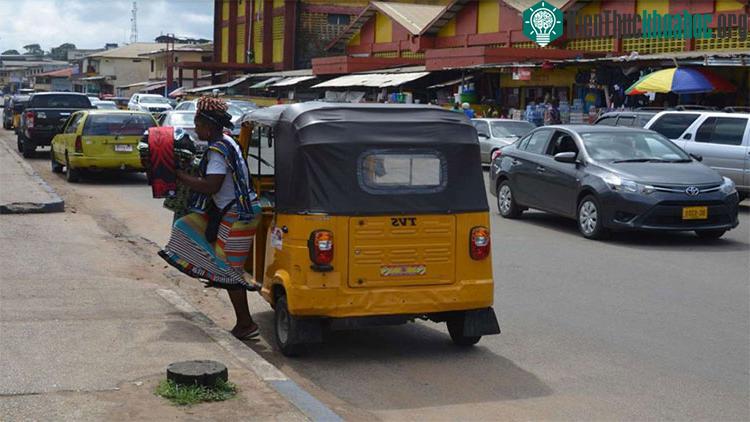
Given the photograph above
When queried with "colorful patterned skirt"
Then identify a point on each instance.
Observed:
(220, 264)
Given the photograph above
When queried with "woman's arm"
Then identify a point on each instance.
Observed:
(208, 185)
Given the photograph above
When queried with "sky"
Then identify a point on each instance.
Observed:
(93, 23)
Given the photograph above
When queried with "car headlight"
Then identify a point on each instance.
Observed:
(728, 187)
(618, 184)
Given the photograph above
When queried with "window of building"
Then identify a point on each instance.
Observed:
(338, 19)
(152, 65)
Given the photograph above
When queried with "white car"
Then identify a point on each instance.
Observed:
(150, 103)
(104, 105)
(721, 139)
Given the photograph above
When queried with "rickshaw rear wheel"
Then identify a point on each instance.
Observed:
(456, 331)
(286, 328)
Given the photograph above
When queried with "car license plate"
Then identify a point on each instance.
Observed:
(124, 148)
(694, 213)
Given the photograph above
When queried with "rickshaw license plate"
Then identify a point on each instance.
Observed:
(694, 213)
(124, 148)
(402, 270)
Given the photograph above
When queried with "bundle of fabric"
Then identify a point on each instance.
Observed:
(184, 157)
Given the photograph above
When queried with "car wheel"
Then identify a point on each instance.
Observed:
(286, 326)
(506, 204)
(28, 148)
(710, 234)
(19, 143)
(56, 167)
(589, 218)
(456, 331)
(71, 175)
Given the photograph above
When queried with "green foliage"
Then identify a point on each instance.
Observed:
(61, 52)
(33, 50)
(186, 395)
(11, 52)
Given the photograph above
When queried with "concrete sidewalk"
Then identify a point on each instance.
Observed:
(85, 336)
(21, 189)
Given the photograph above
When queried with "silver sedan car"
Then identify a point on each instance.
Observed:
(496, 133)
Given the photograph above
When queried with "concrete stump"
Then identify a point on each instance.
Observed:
(201, 372)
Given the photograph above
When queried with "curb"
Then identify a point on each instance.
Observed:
(56, 204)
(311, 407)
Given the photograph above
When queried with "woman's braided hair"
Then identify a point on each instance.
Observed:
(215, 111)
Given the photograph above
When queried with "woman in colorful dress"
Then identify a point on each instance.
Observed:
(214, 240)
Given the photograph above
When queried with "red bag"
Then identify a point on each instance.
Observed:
(161, 151)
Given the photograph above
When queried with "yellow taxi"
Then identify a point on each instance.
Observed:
(99, 140)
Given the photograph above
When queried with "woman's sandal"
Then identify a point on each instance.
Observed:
(248, 335)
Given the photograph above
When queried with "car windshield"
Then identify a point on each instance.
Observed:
(235, 111)
(180, 120)
(631, 147)
(117, 124)
(154, 100)
(508, 129)
(59, 101)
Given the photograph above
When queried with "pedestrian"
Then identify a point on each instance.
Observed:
(214, 240)
(552, 115)
(467, 110)
(456, 108)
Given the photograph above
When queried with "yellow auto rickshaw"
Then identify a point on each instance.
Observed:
(373, 214)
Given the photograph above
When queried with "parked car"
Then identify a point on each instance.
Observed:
(625, 118)
(612, 178)
(104, 105)
(122, 102)
(151, 103)
(44, 117)
(99, 140)
(721, 139)
(233, 109)
(497, 133)
(184, 120)
(737, 109)
(245, 106)
(12, 111)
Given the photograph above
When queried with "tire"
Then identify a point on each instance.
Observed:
(19, 143)
(710, 234)
(589, 219)
(27, 148)
(71, 175)
(285, 328)
(506, 204)
(56, 167)
(456, 331)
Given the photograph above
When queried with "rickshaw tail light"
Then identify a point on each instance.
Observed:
(29, 119)
(479, 243)
(79, 144)
(320, 245)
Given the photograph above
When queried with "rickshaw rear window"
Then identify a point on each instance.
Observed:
(393, 172)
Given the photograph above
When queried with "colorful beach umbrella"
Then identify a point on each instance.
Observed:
(680, 80)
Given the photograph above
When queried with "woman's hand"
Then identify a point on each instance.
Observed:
(208, 185)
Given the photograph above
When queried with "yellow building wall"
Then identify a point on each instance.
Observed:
(488, 16)
(383, 28)
(448, 30)
(595, 7)
(240, 53)
(224, 45)
(257, 29)
(728, 5)
(278, 39)
(225, 9)
(355, 39)
(661, 6)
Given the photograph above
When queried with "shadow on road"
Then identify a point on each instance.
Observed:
(645, 239)
(405, 367)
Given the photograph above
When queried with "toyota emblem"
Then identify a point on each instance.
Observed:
(692, 191)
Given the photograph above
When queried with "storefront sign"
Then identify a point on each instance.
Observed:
(522, 75)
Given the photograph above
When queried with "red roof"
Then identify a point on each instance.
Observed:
(59, 73)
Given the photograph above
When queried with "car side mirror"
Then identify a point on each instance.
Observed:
(688, 136)
(697, 157)
(566, 157)
(483, 135)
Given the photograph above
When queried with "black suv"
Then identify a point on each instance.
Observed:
(45, 116)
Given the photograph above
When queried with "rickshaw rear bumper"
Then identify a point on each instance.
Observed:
(415, 300)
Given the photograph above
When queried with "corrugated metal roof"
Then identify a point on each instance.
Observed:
(266, 82)
(522, 5)
(130, 51)
(293, 81)
(373, 80)
(413, 17)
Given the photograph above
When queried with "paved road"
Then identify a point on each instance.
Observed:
(644, 326)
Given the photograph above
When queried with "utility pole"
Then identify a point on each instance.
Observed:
(134, 23)
(170, 64)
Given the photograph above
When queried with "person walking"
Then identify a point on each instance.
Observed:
(213, 241)
(467, 110)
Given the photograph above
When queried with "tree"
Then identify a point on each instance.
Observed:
(33, 50)
(61, 52)
(11, 52)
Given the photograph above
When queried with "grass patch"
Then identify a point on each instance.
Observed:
(185, 395)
